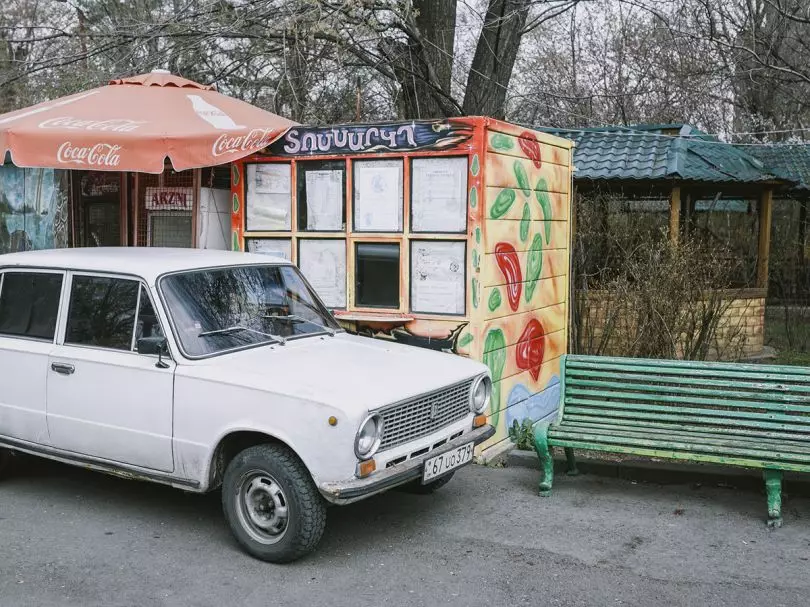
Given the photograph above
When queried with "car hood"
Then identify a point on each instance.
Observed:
(354, 374)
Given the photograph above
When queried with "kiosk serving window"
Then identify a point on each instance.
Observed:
(377, 234)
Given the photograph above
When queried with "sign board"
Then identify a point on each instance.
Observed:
(169, 199)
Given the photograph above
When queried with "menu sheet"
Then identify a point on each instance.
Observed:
(378, 196)
(271, 246)
(439, 195)
(438, 277)
(269, 197)
(324, 200)
(323, 262)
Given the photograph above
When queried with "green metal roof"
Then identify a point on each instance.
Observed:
(645, 153)
(788, 161)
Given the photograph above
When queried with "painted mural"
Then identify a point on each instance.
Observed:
(33, 209)
(517, 247)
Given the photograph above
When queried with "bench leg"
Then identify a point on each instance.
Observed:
(571, 462)
(773, 487)
(544, 455)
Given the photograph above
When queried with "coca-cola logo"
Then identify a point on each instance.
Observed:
(256, 139)
(98, 155)
(113, 125)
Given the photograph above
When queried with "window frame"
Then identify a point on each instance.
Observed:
(400, 307)
(67, 291)
(36, 270)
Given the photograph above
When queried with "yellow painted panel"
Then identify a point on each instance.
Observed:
(509, 231)
(544, 293)
(508, 128)
(555, 263)
(551, 318)
(506, 172)
(554, 346)
(503, 143)
(499, 204)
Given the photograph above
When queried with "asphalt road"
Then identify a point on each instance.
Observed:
(72, 537)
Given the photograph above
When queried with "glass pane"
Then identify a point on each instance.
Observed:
(230, 308)
(29, 304)
(281, 247)
(148, 324)
(321, 195)
(323, 262)
(268, 196)
(170, 230)
(102, 312)
(378, 195)
(437, 277)
(439, 195)
(377, 275)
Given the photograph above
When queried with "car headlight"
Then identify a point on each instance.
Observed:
(368, 437)
(480, 393)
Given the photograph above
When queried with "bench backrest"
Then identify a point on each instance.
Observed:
(756, 400)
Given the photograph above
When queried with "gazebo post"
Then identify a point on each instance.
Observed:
(765, 208)
(674, 214)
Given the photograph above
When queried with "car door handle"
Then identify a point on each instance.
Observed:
(63, 368)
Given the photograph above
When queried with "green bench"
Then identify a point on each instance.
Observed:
(750, 416)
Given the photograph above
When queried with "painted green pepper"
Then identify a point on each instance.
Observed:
(534, 267)
(525, 222)
(501, 142)
(541, 193)
(503, 203)
(495, 358)
(522, 177)
(494, 300)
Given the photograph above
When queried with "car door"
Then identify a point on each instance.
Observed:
(106, 400)
(29, 306)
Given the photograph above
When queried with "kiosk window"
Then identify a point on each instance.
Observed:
(377, 275)
(321, 188)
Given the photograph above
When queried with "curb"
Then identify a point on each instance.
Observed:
(665, 473)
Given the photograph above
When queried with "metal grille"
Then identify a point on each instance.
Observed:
(421, 416)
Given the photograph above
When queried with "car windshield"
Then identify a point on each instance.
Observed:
(221, 309)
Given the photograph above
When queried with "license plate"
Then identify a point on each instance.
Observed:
(447, 461)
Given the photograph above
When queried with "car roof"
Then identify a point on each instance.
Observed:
(146, 262)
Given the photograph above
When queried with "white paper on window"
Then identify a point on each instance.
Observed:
(439, 194)
(281, 247)
(437, 277)
(269, 197)
(324, 200)
(378, 196)
(323, 262)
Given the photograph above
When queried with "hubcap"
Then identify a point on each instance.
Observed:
(262, 507)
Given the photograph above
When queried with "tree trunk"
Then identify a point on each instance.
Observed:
(495, 57)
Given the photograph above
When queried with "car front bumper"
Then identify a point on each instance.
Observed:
(382, 480)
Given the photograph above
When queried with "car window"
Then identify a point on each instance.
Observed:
(29, 304)
(147, 324)
(102, 312)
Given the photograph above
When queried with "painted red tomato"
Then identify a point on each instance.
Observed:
(531, 348)
(531, 147)
(508, 262)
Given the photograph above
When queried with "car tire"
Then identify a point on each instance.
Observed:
(416, 487)
(271, 504)
(5, 462)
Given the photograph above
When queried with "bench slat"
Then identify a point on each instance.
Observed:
(694, 419)
(650, 396)
(720, 440)
(683, 446)
(694, 388)
(574, 375)
(797, 420)
(655, 371)
(698, 430)
(680, 455)
(685, 366)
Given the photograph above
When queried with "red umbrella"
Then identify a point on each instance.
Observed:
(134, 124)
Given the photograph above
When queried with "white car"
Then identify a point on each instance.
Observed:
(208, 369)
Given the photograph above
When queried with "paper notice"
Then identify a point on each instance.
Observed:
(437, 277)
(323, 262)
(324, 200)
(378, 196)
(271, 246)
(269, 199)
(439, 194)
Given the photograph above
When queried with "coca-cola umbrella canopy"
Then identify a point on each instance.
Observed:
(134, 124)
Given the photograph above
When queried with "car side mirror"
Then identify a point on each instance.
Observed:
(154, 345)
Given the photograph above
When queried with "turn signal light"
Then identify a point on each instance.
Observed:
(479, 421)
(366, 467)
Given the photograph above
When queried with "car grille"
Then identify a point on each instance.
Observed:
(423, 415)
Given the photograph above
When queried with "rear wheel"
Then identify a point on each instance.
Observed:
(418, 488)
(272, 505)
(5, 462)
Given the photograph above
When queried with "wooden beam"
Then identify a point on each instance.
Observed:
(765, 208)
(674, 214)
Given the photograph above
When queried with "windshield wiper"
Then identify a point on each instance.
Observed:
(236, 328)
(329, 330)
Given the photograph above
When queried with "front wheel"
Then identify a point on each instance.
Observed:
(272, 505)
(419, 489)
(5, 462)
